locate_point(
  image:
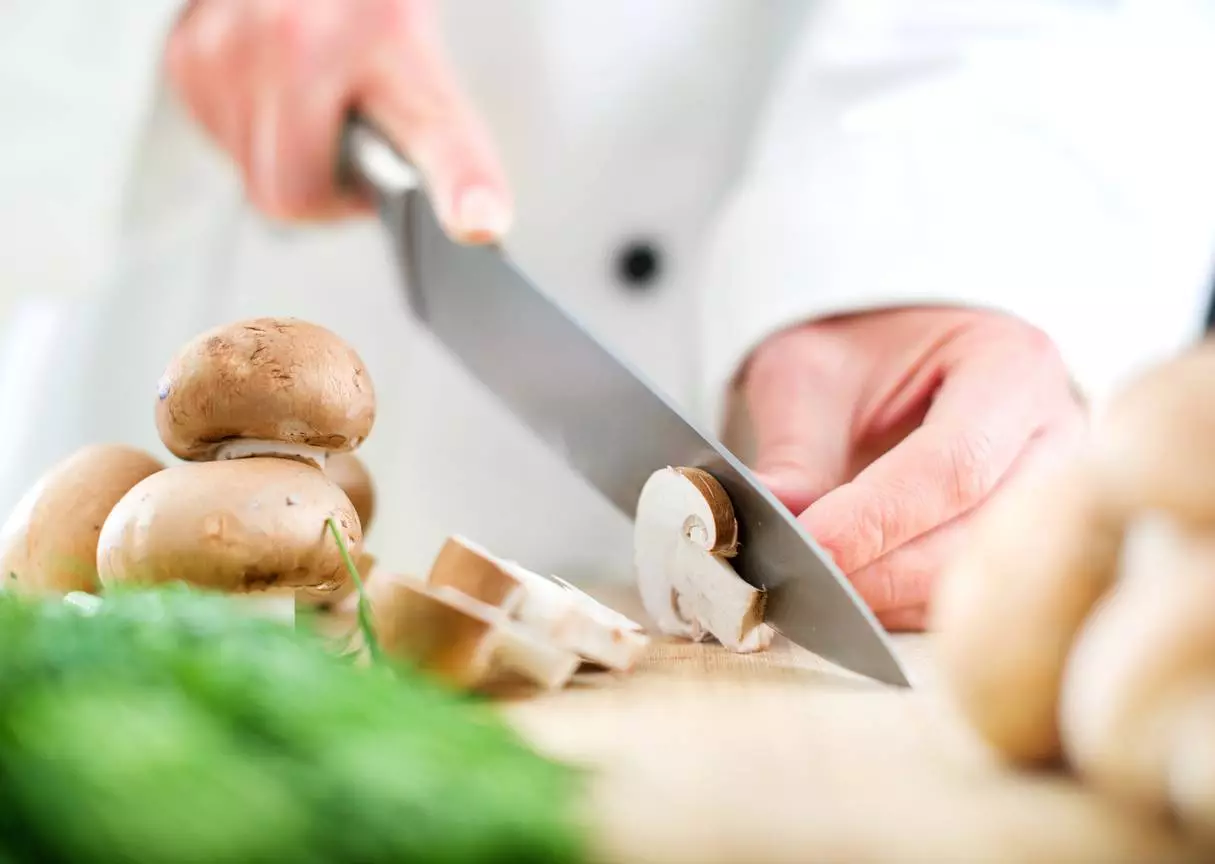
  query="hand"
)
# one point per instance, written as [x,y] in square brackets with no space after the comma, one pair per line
[272,80]
[886,431]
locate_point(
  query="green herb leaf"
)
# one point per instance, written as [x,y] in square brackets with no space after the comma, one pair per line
[167,726]
[364,615]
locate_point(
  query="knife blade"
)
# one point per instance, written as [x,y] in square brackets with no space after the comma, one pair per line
[601,415]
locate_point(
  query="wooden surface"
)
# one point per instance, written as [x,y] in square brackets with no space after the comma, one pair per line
[703,756]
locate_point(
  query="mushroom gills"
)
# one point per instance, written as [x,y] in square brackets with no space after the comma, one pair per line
[684,534]
[244,448]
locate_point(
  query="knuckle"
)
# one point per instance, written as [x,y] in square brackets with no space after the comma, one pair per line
[971,470]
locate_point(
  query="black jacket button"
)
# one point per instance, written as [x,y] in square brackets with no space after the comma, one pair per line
[638,264]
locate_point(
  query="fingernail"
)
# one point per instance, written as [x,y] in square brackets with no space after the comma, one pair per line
[481,215]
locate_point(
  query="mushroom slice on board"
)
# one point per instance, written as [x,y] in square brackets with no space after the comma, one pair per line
[256,527]
[461,639]
[1137,708]
[265,387]
[48,544]
[551,608]
[683,536]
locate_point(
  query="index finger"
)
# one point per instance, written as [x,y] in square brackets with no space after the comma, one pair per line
[984,414]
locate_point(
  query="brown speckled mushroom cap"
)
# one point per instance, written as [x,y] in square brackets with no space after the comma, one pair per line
[48,545]
[232,526]
[260,381]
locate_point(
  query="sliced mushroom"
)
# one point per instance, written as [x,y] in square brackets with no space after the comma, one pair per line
[1008,606]
[684,533]
[552,609]
[48,544]
[463,640]
[265,387]
[245,527]
[1137,710]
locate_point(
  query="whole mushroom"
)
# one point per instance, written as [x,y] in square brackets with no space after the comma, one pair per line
[257,526]
[1138,703]
[48,544]
[265,387]
[272,388]
[1007,607]
[1152,443]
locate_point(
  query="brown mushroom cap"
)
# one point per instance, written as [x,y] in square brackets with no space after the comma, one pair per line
[244,525]
[1153,441]
[264,379]
[48,545]
[348,471]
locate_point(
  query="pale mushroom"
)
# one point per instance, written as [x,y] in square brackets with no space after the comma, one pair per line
[257,526]
[1153,440]
[460,639]
[48,544]
[349,472]
[1137,710]
[684,533]
[1009,604]
[265,387]
[550,608]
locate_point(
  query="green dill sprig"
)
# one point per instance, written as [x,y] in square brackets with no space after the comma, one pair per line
[364,606]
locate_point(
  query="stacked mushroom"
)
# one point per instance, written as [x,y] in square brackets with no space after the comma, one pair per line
[255,408]
[1078,626]
[477,619]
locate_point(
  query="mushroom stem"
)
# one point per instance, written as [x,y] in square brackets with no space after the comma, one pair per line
[243,448]
[276,604]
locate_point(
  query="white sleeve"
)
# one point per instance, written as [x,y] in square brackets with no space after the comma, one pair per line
[1047,159]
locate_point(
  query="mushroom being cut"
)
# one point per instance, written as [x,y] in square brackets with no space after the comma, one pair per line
[1137,710]
[684,534]
[257,526]
[466,642]
[265,387]
[48,544]
[1007,607]
[549,608]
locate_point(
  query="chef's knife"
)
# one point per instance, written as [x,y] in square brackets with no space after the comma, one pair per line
[605,420]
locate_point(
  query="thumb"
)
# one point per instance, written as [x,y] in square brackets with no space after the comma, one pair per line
[802,425]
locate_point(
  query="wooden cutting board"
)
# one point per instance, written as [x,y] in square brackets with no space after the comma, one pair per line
[704,756]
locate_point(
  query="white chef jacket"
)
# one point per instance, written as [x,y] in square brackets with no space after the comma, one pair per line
[771,162]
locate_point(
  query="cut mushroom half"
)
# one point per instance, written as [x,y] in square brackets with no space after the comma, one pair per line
[463,640]
[548,607]
[684,534]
